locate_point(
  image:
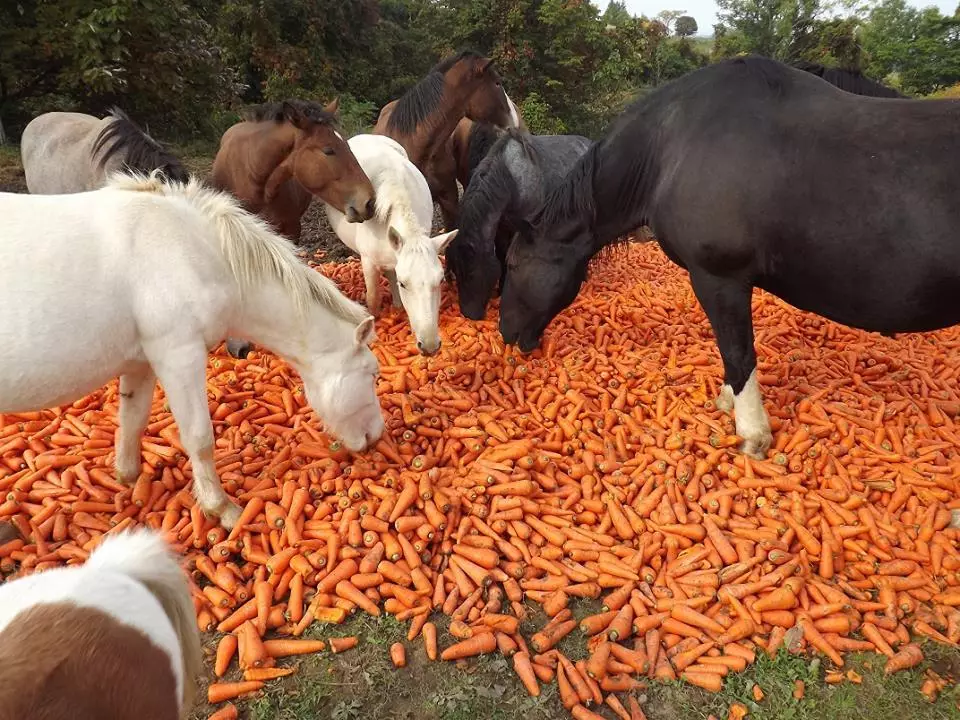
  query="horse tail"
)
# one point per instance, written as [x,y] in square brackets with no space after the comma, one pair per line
[144,556]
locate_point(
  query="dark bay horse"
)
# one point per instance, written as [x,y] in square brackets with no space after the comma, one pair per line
[67,152]
[422,120]
[508,186]
[468,145]
[282,155]
[754,174]
[853,81]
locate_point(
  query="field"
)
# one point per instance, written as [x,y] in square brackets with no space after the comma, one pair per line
[653,325]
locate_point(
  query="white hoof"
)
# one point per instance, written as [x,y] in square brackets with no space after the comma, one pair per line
[955,519]
[752,422]
[724,400]
[757,446]
[230,516]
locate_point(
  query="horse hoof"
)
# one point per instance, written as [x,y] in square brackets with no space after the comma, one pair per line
[757,447]
[955,519]
[724,400]
[230,517]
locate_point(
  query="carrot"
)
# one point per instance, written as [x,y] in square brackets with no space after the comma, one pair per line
[398,655]
[226,649]
[524,669]
[221,692]
[267,673]
[430,640]
[227,712]
[479,644]
[710,682]
[338,645]
[909,656]
[283,647]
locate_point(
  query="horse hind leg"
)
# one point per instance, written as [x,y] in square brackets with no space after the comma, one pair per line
[136,397]
[182,372]
[727,304]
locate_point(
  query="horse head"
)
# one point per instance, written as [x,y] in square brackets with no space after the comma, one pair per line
[487,100]
[324,163]
[419,274]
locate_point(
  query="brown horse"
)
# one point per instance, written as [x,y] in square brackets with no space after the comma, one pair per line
[281,155]
[422,120]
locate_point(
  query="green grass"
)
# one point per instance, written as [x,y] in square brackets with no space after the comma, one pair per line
[362,684]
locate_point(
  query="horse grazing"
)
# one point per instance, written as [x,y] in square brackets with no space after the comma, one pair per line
[422,120]
[115,637]
[397,239]
[853,81]
[754,174]
[282,155]
[67,152]
[140,279]
[508,186]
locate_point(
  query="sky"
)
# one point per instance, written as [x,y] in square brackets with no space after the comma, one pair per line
[705,11]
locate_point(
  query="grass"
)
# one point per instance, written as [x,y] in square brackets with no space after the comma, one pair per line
[363,684]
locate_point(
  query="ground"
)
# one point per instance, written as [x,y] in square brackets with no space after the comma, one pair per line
[361,683]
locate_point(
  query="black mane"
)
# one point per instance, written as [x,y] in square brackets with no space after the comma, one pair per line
[852,81]
[482,138]
[274,112]
[141,152]
[416,104]
[490,183]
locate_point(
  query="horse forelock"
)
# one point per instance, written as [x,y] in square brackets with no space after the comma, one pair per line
[250,247]
[138,151]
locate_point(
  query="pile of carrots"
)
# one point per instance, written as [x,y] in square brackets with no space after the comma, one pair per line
[596,468]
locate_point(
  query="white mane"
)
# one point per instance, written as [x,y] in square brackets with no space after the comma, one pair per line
[255,251]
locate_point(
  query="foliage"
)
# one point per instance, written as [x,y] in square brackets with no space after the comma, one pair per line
[685,26]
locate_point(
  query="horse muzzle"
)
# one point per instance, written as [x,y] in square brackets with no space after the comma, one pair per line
[359,212]
[239,349]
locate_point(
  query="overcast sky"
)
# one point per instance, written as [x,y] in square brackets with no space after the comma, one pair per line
[705,11]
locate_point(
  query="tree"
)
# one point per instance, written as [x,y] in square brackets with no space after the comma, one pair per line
[781,29]
[685,26]
[617,14]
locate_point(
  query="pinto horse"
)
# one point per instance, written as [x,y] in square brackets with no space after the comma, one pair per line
[508,185]
[141,279]
[284,154]
[67,152]
[115,637]
[755,174]
[422,120]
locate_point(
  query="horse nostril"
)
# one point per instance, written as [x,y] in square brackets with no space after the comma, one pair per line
[370,207]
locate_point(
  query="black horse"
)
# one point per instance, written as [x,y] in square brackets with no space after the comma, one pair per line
[755,174]
[508,185]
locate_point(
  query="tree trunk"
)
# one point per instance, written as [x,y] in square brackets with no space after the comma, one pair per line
[3,134]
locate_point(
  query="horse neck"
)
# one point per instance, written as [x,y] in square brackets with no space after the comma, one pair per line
[269,145]
[621,189]
[269,316]
[436,128]
[489,196]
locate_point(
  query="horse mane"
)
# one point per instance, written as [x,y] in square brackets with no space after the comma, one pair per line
[416,104]
[389,187]
[490,181]
[274,112]
[483,136]
[254,251]
[141,152]
[852,81]
[574,196]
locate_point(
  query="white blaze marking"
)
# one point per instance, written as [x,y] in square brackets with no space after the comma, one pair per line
[339,136]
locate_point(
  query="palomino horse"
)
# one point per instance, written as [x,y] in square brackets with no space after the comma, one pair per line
[422,120]
[754,174]
[508,186]
[115,637]
[140,279]
[284,154]
[67,152]
[397,239]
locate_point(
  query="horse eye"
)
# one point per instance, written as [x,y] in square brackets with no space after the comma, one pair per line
[329,151]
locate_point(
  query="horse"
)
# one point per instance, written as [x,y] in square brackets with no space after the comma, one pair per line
[509,184]
[755,174]
[283,154]
[140,279]
[853,81]
[422,120]
[397,240]
[114,637]
[68,152]
[469,145]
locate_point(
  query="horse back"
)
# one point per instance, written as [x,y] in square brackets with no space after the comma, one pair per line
[56,152]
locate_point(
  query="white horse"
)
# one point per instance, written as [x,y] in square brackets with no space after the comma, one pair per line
[141,279]
[114,637]
[397,239]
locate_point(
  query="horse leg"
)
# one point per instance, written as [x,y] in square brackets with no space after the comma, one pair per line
[136,397]
[183,373]
[370,278]
[727,304]
[394,288]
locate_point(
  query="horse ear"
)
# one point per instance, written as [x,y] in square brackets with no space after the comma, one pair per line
[334,106]
[396,242]
[366,332]
[485,65]
[442,242]
[294,115]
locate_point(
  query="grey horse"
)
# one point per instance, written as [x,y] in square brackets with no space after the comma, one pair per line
[68,152]
[507,186]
